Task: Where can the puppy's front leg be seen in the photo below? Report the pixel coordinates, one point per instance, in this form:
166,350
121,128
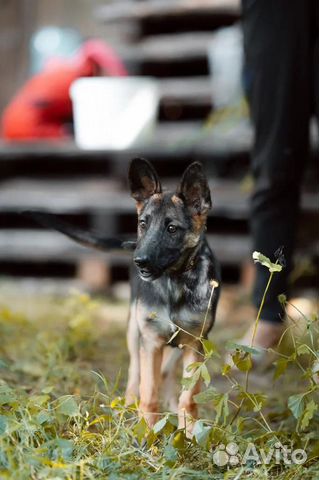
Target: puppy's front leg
133,341
171,357
150,369
187,408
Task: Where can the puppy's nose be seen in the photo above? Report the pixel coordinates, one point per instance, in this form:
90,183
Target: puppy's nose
142,261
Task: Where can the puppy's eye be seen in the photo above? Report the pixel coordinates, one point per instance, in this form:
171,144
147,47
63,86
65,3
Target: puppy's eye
142,224
171,228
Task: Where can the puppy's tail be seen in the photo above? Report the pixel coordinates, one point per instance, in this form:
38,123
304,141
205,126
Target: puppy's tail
89,239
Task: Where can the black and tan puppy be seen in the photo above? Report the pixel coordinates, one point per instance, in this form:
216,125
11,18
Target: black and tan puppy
170,279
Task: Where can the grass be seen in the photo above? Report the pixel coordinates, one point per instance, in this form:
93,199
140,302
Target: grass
62,415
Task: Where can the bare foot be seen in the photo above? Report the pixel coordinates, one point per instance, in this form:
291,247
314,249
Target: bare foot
267,335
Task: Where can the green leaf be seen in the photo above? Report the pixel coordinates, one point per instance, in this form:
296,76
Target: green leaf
160,424
117,402
209,347
296,404
265,261
173,419
48,389
68,406
7,395
166,425
242,361
170,454
190,382
201,433
38,400
3,424
205,374
205,396
226,369
243,348
140,429
221,406
193,366
281,367
43,417
308,414
8,425
253,401
63,448
179,440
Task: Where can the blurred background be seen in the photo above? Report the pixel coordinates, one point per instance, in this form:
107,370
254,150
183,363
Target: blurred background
161,79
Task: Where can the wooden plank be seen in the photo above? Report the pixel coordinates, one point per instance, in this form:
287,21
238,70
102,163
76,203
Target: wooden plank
230,199
40,286
187,90
39,245
166,140
116,11
170,139
172,147
64,196
163,48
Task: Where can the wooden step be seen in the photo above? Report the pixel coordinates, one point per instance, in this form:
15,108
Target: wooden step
190,90
177,136
40,245
45,245
171,141
230,198
172,146
163,48
144,9
224,151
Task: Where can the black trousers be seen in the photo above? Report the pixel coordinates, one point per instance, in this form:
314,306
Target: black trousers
281,77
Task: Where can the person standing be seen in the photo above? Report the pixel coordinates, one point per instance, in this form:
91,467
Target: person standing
282,85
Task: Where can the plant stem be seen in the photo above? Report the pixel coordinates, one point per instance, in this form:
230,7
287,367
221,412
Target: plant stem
261,307
252,342
208,308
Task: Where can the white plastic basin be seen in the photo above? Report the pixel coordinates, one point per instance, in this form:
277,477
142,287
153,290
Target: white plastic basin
113,113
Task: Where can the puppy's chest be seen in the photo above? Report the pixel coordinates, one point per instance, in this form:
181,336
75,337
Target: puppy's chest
165,321
177,311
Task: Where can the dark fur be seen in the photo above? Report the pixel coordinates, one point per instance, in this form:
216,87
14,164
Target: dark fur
172,270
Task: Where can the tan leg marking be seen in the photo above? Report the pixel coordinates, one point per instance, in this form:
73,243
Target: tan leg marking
169,366
187,408
132,389
150,364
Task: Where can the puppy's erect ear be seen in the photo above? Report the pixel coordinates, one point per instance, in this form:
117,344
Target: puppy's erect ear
194,190
143,180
